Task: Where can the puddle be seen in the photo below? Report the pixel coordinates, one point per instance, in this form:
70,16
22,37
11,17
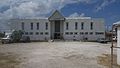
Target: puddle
105,60
9,60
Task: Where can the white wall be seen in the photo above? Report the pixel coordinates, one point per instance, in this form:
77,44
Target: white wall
118,45
16,24
98,26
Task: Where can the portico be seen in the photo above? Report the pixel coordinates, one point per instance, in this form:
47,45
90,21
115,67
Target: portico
56,25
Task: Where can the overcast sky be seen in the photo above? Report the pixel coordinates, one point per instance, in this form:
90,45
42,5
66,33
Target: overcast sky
107,9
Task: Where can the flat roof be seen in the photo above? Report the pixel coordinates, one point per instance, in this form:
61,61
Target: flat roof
44,18
78,17
116,23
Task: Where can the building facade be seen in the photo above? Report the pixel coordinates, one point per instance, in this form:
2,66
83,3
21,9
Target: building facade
59,27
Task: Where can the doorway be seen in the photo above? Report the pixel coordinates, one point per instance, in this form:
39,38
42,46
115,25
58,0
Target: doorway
57,29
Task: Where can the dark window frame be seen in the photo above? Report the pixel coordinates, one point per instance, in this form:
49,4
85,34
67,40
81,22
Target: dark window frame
76,25
67,25
26,33
91,33
46,33
86,33
41,33
37,33
99,33
31,33
82,25
37,24
81,33
76,33
71,33
91,25
31,24
67,33
46,25
23,25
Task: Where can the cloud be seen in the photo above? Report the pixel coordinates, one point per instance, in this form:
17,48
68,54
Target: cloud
82,15
39,8
30,8
33,8
104,4
74,15
77,15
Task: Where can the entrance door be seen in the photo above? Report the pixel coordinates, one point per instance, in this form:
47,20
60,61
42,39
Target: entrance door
57,30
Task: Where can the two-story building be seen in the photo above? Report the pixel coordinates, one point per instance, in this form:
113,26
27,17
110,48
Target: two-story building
59,27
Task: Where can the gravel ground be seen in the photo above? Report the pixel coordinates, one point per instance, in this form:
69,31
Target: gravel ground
54,55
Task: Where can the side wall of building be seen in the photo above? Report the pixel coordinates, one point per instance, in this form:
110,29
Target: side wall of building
118,45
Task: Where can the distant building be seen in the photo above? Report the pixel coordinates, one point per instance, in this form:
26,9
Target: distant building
109,34
59,27
117,24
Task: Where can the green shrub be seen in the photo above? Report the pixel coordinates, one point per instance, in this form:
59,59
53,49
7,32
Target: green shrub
16,35
2,35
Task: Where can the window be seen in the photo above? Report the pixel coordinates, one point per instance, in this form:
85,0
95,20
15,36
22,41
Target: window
86,33
46,33
82,25
22,33
91,33
37,33
75,33
31,33
37,26
91,25
76,25
26,33
22,25
31,26
99,33
67,25
46,25
67,33
41,33
71,33
81,33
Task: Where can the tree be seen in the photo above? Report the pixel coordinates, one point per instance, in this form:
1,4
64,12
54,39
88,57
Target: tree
16,35
2,35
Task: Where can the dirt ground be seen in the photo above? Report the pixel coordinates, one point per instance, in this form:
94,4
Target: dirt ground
55,55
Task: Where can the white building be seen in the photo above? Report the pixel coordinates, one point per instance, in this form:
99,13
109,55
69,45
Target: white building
60,27
118,41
